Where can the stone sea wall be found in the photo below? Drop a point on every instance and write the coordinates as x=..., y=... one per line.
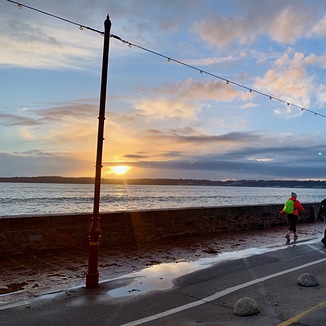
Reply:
x=34, y=233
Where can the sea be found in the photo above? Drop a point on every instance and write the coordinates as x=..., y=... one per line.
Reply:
x=49, y=198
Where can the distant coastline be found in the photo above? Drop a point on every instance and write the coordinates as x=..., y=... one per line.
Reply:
x=172, y=182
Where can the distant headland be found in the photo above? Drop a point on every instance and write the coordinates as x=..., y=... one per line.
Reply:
x=171, y=182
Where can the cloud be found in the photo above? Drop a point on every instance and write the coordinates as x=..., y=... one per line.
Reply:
x=289, y=81
x=35, y=163
x=316, y=60
x=189, y=89
x=166, y=109
x=16, y=120
x=78, y=110
x=249, y=105
x=284, y=23
x=193, y=143
x=205, y=90
x=319, y=29
x=68, y=127
x=321, y=95
x=209, y=61
x=37, y=41
x=289, y=24
x=184, y=99
x=237, y=154
x=44, y=44
x=26, y=134
x=260, y=159
x=247, y=161
x=233, y=123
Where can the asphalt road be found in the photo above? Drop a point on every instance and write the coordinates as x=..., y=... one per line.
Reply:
x=204, y=297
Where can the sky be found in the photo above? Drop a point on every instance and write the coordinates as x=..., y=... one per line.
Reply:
x=177, y=118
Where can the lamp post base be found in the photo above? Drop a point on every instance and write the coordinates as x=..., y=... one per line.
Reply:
x=92, y=275
x=92, y=280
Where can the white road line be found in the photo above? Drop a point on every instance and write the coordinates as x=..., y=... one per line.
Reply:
x=218, y=295
x=14, y=304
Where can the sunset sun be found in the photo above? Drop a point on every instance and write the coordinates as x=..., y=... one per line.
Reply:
x=120, y=169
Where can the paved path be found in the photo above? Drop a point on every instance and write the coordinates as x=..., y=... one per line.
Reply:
x=204, y=297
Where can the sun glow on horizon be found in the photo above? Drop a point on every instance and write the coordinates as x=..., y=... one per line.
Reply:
x=119, y=169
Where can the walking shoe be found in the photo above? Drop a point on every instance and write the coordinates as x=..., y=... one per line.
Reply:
x=295, y=237
x=287, y=237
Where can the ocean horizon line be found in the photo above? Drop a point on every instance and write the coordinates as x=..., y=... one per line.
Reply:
x=170, y=181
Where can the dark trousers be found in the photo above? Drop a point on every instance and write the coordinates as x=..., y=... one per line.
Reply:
x=293, y=219
x=323, y=240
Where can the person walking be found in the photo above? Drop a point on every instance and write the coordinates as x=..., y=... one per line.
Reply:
x=322, y=211
x=322, y=217
x=292, y=208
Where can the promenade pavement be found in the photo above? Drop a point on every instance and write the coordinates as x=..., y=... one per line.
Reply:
x=35, y=275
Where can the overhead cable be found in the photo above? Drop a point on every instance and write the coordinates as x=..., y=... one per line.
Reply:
x=81, y=26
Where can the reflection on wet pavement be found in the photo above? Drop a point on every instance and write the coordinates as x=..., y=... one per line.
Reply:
x=154, y=277
x=160, y=277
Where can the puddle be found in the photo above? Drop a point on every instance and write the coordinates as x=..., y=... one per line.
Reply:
x=153, y=277
x=159, y=277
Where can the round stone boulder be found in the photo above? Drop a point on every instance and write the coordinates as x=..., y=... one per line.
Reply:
x=246, y=307
x=307, y=279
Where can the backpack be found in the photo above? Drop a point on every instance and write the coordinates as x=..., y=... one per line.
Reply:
x=288, y=206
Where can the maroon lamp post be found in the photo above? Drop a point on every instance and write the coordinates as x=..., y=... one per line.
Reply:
x=92, y=276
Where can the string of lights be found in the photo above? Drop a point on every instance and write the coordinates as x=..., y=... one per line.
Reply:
x=170, y=59
x=81, y=27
